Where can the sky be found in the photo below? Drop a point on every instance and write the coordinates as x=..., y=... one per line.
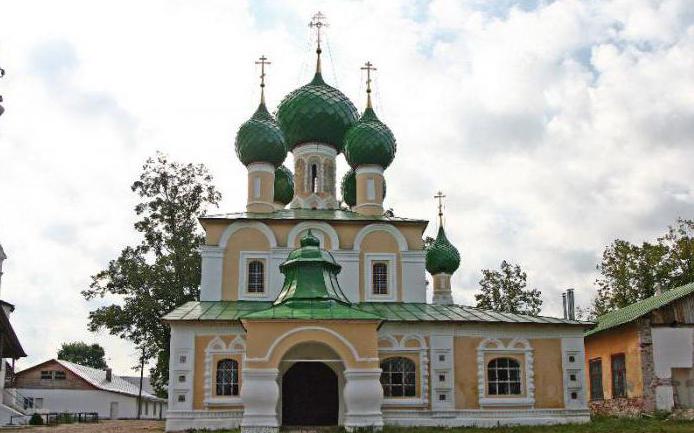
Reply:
x=553, y=127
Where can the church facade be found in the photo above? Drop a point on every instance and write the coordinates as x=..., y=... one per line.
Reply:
x=313, y=310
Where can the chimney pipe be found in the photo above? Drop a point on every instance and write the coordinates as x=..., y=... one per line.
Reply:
x=563, y=300
x=570, y=305
x=109, y=375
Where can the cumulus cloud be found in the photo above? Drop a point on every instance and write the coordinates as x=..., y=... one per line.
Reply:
x=553, y=127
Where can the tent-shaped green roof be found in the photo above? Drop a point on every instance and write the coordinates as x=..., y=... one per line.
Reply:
x=639, y=309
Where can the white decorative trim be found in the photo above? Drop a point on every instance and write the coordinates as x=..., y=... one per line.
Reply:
x=211, y=272
x=392, y=263
x=238, y=225
x=264, y=167
x=216, y=346
x=318, y=225
x=244, y=258
x=314, y=149
x=346, y=342
x=483, y=417
x=369, y=169
x=494, y=345
x=399, y=238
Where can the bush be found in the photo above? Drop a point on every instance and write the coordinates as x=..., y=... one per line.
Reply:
x=36, y=419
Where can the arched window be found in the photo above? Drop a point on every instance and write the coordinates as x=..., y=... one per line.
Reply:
x=503, y=377
x=227, y=377
x=398, y=377
x=256, y=277
x=314, y=178
x=379, y=278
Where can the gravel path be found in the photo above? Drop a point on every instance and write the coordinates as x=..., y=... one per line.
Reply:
x=101, y=427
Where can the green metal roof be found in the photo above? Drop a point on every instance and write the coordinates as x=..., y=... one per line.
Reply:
x=387, y=311
x=369, y=141
x=442, y=256
x=284, y=185
x=639, y=309
x=349, y=188
x=310, y=215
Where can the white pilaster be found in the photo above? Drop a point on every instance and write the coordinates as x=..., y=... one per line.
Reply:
x=363, y=396
x=413, y=276
x=260, y=393
x=211, y=273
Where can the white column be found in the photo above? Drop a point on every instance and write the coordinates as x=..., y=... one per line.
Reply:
x=211, y=273
x=260, y=393
x=363, y=396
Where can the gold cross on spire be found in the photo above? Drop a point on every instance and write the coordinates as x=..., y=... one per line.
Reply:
x=262, y=61
x=368, y=67
x=440, y=196
x=318, y=22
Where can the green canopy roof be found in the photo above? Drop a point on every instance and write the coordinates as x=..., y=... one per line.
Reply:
x=639, y=309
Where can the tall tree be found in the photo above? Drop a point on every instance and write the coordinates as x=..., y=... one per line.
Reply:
x=79, y=352
x=163, y=270
x=504, y=291
x=630, y=273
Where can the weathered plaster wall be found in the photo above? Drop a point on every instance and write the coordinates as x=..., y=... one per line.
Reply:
x=465, y=365
x=549, y=389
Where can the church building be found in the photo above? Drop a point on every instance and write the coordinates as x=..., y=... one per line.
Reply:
x=313, y=307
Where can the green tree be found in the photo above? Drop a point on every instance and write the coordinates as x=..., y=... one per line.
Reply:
x=79, y=352
x=163, y=270
x=504, y=291
x=630, y=273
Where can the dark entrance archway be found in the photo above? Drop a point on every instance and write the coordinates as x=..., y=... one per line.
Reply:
x=310, y=395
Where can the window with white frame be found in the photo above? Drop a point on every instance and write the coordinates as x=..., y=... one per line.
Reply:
x=227, y=383
x=256, y=277
x=379, y=278
x=503, y=377
x=398, y=377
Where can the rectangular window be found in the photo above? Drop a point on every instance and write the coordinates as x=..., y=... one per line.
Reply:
x=181, y=398
x=442, y=397
x=379, y=278
x=442, y=377
x=182, y=359
x=256, y=276
x=28, y=403
x=46, y=375
x=619, y=376
x=181, y=378
x=595, y=373
x=59, y=375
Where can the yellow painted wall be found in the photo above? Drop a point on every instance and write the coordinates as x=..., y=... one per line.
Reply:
x=465, y=366
x=549, y=377
x=624, y=339
x=247, y=239
x=263, y=335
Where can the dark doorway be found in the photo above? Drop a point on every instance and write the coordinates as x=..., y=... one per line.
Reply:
x=309, y=395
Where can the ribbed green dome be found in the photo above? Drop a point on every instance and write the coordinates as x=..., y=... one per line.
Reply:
x=316, y=112
x=284, y=185
x=442, y=256
x=369, y=141
x=349, y=188
x=260, y=139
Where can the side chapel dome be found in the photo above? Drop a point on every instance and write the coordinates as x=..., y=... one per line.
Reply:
x=442, y=257
x=284, y=185
x=260, y=139
x=369, y=141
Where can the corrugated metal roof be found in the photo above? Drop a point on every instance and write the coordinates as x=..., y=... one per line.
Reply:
x=639, y=309
x=388, y=311
x=97, y=378
x=310, y=214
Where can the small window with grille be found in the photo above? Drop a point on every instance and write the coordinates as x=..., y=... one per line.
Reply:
x=379, y=278
x=619, y=376
x=256, y=277
x=595, y=373
x=503, y=377
x=227, y=377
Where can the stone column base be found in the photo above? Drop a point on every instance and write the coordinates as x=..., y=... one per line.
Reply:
x=363, y=396
x=260, y=394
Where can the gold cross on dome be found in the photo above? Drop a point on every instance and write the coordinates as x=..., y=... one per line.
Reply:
x=318, y=22
x=368, y=67
x=440, y=196
x=262, y=61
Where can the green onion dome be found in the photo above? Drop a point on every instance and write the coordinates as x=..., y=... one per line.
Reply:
x=442, y=256
x=369, y=141
x=349, y=188
x=316, y=112
x=284, y=185
x=260, y=139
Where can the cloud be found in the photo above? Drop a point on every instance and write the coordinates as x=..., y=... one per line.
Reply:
x=554, y=127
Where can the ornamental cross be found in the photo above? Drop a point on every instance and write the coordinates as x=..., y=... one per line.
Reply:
x=262, y=61
x=318, y=22
x=368, y=67
x=440, y=196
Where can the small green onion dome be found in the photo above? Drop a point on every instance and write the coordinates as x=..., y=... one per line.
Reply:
x=442, y=256
x=260, y=139
x=284, y=185
x=369, y=141
x=316, y=112
x=349, y=188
